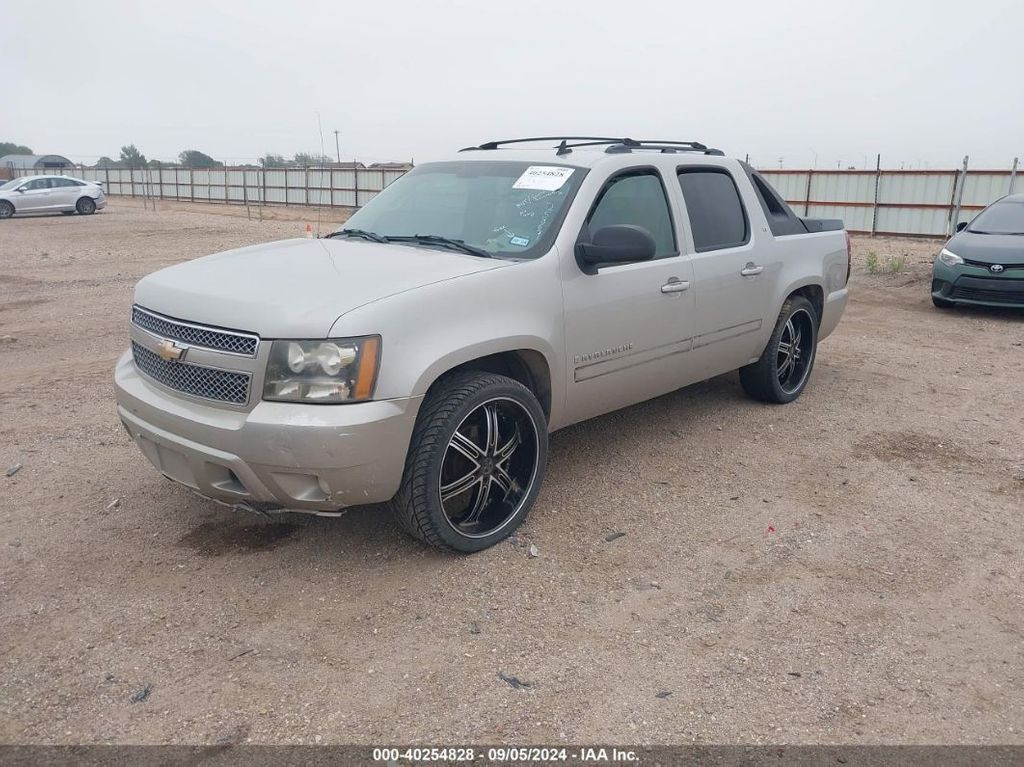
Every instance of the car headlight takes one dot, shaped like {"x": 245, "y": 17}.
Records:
{"x": 949, "y": 258}
{"x": 328, "y": 372}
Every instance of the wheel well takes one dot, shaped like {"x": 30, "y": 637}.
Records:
{"x": 526, "y": 366}
{"x": 815, "y": 295}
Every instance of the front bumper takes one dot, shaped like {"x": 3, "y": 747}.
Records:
{"x": 973, "y": 285}
{"x": 293, "y": 456}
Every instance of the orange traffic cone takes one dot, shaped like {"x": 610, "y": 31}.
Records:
{"x": 309, "y": 231}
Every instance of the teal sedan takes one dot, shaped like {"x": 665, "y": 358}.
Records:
{"x": 983, "y": 263}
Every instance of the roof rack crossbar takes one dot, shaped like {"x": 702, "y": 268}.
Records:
{"x": 561, "y": 139}
{"x": 614, "y": 144}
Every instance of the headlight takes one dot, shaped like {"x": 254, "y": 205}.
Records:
{"x": 332, "y": 371}
{"x": 949, "y": 258}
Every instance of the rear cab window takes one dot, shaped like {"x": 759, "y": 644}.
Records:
{"x": 781, "y": 219}
{"x": 718, "y": 219}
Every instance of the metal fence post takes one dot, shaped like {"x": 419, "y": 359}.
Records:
{"x": 878, "y": 184}
{"x": 955, "y": 216}
{"x": 355, "y": 181}
{"x": 807, "y": 195}
{"x": 1013, "y": 174}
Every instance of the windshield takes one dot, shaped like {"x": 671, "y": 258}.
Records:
{"x": 1000, "y": 218}
{"x": 11, "y": 184}
{"x": 509, "y": 209}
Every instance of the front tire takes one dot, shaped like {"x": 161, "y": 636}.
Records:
{"x": 86, "y": 206}
{"x": 475, "y": 464}
{"x": 6, "y": 209}
{"x": 781, "y": 373}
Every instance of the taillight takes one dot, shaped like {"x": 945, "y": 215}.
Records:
{"x": 849, "y": 256}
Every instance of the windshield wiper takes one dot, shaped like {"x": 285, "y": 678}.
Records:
{"x": 447, "y": 242}
{"x": 372, "y": 236}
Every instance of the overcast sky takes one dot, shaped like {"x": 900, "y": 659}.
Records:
{"x": 923, "y": 82}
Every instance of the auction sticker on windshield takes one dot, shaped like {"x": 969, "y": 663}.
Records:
{"x": 548, "y": 178}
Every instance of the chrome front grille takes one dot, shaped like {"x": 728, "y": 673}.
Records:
{"x": 197, "y": 380}
{"x": 231, "y": 341}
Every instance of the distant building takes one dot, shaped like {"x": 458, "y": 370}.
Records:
{"x": 34, "y": 161}
{"x": 391, "y": 166}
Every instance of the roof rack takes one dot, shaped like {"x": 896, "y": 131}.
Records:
{"x": 614, "y": 144}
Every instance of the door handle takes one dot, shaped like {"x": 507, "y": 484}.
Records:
{"x": 675, "y": 285}
{"x": 751, "y": 269}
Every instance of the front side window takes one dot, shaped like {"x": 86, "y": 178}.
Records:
{"x": 1006, "y": 217}
{"x": 39, "y": 183}
{"x": 636, "y": 198}
{"x": 510, "y": 209}
{"x": 717, "y": 217}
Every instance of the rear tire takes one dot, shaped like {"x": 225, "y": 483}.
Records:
{"x": 86, "y": 206}
{"x": 942, "y": 303}
{"x": 476, "y": 462}
{"x": 6, "y": 209}
{"x": 781, "y": 373}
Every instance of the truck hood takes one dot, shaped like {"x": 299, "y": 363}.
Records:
{"x": 296, "y": 288}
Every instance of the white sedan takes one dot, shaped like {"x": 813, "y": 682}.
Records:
{"x": 50, "y": 194}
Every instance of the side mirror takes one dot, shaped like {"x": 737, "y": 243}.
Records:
{"x": 962, "y": 225}
{"x": 21, "y": 189}
{"x": 616, "y": 244}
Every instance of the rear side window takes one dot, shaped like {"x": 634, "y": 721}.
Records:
{"x": 717, "y": 217}
{"x": 637, "y": 198}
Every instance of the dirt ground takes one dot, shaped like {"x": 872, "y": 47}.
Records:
{"x": 844, "y": 569}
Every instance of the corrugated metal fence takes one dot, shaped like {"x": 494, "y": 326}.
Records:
{"x": 925, "y": 203}
{"x": 344, "y": 187}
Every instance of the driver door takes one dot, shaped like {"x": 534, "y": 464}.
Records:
{"x": 627, "y": 326}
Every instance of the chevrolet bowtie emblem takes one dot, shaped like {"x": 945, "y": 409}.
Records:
{"x": 168, "y": 351}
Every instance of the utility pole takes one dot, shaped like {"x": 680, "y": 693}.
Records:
{"x": 337, "y": 146}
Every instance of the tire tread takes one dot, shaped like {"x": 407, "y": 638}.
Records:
{"x": 409, "y": 505}
{"x": 758, "y": 378}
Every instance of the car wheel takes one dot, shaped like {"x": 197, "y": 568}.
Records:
{"x": 942, "y": 303}
{"x": 784, "y": 367}
{"x": 86, "y": 206}
{"x": 6, "y": 209}
{"x": 475, "y": 463}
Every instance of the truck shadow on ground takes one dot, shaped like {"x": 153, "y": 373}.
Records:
{"x": 575, "y": 450}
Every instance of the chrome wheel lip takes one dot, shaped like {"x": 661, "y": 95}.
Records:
{"x": 796, "y": 353}
{"x": 528, "y": 488}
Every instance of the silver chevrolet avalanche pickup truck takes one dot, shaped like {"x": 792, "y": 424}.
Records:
{"x": 422, "y": 354}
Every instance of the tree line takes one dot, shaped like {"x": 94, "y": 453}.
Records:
{"x": 131, "y": 157}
